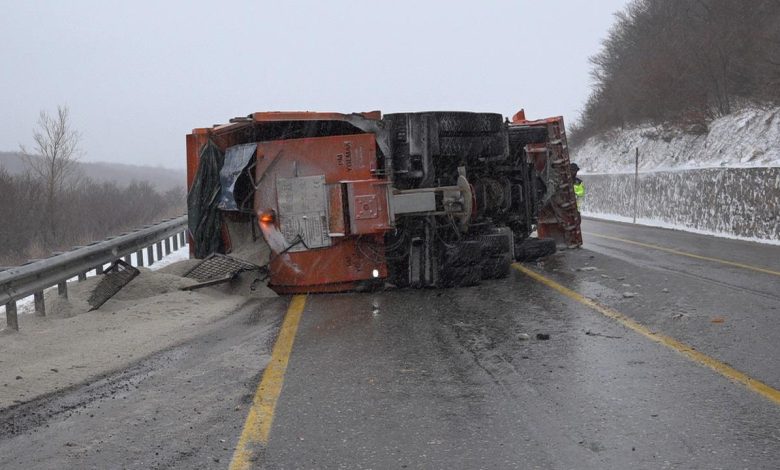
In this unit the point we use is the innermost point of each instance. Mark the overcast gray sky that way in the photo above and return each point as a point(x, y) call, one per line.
point(140, 75)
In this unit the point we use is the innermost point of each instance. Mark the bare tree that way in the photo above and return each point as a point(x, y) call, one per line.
point(54, 160)
point(683, 62)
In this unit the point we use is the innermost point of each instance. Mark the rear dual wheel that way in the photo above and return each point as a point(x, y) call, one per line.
point(532, 249)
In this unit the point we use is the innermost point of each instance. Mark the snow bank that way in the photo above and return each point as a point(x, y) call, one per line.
point(661, 224)
point(748, 138)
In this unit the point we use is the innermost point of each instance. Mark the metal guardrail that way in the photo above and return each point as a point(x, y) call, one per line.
point(17, 282)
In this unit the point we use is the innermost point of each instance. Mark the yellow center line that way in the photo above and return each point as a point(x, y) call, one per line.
point(257, 426)
point(671, 343)
point(683, 253)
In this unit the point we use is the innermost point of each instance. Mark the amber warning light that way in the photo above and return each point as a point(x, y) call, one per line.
point(267, 217)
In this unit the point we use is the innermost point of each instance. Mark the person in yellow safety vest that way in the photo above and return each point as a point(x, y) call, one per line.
point(579, 186)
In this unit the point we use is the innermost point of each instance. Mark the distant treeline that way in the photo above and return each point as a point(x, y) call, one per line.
point(84, 211)
point(684, 62)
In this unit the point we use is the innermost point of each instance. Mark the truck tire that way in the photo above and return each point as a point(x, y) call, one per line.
point(460, 265)
point(532, 249)
point(495, 244)
point(451, 122)
point(460, 276)
point(522, 136)
point(465, 253)
point(497, 267)
point(472, 146)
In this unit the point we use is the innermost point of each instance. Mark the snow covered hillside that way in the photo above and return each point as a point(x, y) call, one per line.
point(749, 138)
point(724, 182)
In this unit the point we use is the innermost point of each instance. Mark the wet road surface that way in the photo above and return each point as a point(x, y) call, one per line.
point(181, 408)
point(458, 378)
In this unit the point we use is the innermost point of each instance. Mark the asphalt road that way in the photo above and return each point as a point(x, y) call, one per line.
point(458, 378)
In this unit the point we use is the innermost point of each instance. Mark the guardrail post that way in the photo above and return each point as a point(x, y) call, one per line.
point(139, 256)
point(38, 275)
point(175, 242)
point(10, 316)
point(182, 238)
point(62, 289)
point(40, 305)
point(128, 259)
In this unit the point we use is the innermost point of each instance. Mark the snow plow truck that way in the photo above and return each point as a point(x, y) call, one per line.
point(338, 202)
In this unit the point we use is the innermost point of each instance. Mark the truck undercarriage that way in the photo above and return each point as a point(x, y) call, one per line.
point(345, 201)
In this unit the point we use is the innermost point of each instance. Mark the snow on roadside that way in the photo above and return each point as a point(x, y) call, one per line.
point(748, 138)
point(671, 226)
point(181, 254)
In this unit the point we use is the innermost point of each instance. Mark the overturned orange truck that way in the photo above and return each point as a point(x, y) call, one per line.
point(337, 202)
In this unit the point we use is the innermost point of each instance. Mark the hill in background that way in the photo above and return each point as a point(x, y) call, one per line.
point(162, 179)
point(684, 63)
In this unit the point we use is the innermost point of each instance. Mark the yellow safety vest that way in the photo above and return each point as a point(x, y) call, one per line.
point(579, 192)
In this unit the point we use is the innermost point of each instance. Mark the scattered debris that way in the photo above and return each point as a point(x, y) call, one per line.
point(626, 285)
point(217, 269)
point(629, 295)
point(605, 276)
point(542, 336)
point(718, 320)
point(117, 276)
point(678, 316)
point(523, 336)
point(591, 333)
point(665, 290)
point(588, 268)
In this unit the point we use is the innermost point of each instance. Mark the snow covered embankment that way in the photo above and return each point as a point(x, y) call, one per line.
point(732, 202)
point(724, 182)
point(748, 138)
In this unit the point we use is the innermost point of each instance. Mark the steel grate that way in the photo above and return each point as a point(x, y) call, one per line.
point(118, 275)
point(217, 266)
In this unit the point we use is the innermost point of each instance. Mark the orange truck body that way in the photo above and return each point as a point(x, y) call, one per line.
point(339, 188)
